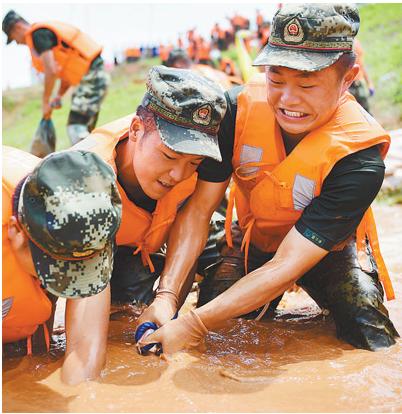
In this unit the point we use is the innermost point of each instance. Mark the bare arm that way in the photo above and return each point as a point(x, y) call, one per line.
point(64, 86)
point(249, 293)
point(50, 66)
point(189, 233)
point(186, 241)
point(87, 322)
point(266, 283)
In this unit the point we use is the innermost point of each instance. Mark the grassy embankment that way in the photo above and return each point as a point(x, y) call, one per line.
point(380, 36)
point(22, 107)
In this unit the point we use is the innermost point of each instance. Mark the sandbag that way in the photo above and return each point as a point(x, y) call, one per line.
point(44, 140)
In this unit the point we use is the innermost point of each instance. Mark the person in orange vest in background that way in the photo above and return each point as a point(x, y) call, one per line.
point(132, 54)
point(259, 19)
point(215, 33)
point(239, 22)
point(60, 217)
point(203, 52)
point(264, 33)
point(307, 163)
point(164, 51)
point(178, 58)
point(61, 51)
point(158, 154)
point(362, 87)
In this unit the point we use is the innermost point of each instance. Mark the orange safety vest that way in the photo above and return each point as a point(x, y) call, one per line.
point(25, 304)
point(133, 52)
point(272, 189)
point(144, 231)
point(74, 52)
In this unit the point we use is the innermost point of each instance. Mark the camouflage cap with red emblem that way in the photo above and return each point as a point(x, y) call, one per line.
point(310, 37)
point(188, 110)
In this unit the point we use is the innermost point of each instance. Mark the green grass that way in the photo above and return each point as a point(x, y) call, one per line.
point(379, 34)
point(381, 37)
point(22, 107)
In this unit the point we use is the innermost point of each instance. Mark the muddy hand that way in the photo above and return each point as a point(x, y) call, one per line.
point(161, 310)
point(186, 332)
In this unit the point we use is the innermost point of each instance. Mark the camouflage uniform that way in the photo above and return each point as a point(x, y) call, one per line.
point(71, 208)
point(311, 37)
point(188, 110)
point(354, 297)
point(360, 91)
point(86, 101)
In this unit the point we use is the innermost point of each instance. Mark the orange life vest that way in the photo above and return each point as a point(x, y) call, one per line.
point(144, 231)
point(25, 304)
point(133, 52)
point(272, 189)
point(74, 52)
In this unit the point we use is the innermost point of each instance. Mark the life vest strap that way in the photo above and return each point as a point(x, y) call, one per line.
point(229, 216)
point(246, 242)
point(29, 345)
point(145, 257)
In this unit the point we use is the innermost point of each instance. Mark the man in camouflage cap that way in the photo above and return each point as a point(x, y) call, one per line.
point(307, 162)
point(157, 154)
point(62, 51)
point(59, 222)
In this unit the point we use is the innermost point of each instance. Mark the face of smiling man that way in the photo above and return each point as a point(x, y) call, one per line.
point(304, 101)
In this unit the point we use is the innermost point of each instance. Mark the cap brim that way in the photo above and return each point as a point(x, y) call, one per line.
point(187, 140)
point(75, 278)
point(296, 58)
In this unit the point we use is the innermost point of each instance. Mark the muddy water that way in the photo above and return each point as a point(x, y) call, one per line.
point(291, 364)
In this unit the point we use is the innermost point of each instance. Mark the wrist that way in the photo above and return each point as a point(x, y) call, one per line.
point(168, 295)
point(195, 324)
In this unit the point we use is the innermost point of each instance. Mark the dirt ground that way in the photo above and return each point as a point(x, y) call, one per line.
point(291, 364)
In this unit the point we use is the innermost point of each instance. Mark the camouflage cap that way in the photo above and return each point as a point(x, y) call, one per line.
point(189, 109)
point(9, 21)
point(310, 37)
point(70, 209)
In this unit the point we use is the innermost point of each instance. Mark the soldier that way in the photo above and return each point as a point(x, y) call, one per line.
point(63, 52)
point(307, 162)
point(60, 217)
point(156, 154)
point(362, 87)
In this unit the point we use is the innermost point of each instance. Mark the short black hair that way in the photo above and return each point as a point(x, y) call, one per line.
point(344, 63)
point(147, 117)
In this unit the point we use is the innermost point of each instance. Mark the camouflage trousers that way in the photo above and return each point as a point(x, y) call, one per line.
point(86, 102)
point(360, 91)
point(337, 283)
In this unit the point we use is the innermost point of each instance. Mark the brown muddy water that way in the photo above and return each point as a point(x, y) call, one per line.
point(291, 364)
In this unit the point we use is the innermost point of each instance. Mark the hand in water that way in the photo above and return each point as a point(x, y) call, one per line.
point(161, 310)
point(185, 332)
